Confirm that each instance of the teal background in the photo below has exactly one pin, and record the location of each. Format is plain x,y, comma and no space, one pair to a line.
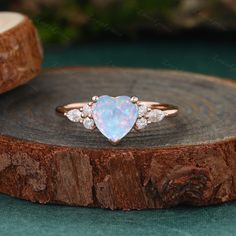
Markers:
207,57
18,217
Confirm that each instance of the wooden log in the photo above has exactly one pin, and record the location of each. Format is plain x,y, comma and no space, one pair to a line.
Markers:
189,159
20,51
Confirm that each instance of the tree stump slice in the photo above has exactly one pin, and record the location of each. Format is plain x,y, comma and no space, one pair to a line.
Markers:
20,51
188,159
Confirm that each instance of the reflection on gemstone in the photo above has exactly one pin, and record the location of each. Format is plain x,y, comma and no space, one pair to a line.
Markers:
114,117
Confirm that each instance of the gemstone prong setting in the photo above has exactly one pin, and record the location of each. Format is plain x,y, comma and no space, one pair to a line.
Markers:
134,99
94,98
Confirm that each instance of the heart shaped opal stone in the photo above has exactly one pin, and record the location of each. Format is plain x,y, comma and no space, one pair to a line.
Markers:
114,116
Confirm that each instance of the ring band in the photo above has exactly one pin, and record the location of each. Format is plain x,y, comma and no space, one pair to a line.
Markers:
116,116
170,110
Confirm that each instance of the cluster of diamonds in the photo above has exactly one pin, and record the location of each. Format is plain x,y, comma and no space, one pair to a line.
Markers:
147,115
83,115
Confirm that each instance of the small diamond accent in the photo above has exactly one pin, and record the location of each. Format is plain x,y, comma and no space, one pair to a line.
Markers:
87,110
142,110
73,115
141,123
155,115
88,123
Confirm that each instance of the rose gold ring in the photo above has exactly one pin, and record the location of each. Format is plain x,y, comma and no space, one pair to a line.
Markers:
115,117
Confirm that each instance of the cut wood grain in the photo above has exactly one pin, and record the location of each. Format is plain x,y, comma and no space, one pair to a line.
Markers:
189,159
20,51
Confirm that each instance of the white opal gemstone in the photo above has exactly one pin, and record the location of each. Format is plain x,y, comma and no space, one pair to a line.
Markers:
114,117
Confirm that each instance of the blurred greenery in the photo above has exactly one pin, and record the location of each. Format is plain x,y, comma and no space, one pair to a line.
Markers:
66,21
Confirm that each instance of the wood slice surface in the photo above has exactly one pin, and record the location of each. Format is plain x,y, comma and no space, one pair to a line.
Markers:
20,50
188,159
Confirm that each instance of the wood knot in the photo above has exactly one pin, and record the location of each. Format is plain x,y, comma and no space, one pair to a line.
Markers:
182,184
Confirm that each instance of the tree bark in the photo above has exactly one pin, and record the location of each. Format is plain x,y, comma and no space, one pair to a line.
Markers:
20,51
187,159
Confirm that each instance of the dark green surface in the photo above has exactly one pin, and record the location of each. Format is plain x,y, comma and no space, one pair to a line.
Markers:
24,218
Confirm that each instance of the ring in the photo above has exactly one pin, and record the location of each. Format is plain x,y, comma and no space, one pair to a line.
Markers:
115,117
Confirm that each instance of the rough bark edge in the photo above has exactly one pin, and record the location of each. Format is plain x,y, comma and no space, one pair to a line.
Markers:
119,179
21,55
